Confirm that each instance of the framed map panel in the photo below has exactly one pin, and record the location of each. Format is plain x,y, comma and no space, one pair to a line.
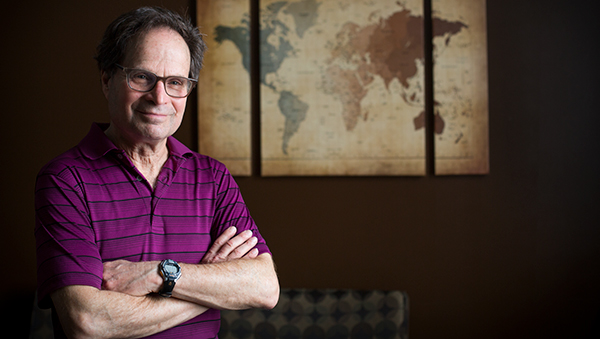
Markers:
460,82
224,104
342,87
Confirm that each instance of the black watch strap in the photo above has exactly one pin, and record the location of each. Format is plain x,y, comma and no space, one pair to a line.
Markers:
167,288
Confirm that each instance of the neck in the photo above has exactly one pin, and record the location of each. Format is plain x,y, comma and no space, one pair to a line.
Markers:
148,158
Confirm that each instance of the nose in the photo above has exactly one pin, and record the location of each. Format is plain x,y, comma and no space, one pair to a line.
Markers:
159,94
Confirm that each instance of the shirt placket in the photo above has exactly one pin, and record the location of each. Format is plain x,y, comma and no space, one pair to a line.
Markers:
141,185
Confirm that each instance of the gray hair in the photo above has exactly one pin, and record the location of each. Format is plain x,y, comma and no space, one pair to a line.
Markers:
118,36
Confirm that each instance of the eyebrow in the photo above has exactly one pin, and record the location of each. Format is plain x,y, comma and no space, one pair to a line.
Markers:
168,76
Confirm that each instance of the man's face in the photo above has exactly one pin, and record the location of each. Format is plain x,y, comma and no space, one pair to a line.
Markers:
139,117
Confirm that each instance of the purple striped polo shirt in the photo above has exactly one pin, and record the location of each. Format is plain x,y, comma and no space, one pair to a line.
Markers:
92,205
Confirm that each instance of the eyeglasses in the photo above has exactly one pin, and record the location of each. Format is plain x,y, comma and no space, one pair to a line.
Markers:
144,81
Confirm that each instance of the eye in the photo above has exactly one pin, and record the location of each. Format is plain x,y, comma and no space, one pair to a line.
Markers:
177,82
140,76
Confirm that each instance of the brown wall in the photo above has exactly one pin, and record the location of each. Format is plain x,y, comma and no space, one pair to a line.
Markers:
511,254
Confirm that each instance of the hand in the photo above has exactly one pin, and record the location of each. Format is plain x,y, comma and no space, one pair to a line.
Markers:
230,246
133,278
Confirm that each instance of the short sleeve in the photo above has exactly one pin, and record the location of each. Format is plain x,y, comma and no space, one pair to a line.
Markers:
66,250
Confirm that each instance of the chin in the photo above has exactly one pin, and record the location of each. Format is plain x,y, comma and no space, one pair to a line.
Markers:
158,133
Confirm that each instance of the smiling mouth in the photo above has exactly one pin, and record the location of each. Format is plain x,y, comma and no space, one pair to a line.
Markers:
153,114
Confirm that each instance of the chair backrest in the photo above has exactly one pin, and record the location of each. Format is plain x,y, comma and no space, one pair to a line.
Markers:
323,313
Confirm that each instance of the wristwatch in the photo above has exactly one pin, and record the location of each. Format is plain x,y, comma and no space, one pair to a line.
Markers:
170,271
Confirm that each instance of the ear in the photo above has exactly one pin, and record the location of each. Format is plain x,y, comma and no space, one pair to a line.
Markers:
105,78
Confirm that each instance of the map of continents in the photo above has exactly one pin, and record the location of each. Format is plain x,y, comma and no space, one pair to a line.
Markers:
341,87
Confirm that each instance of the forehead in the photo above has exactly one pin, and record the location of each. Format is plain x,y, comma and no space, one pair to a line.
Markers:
159,50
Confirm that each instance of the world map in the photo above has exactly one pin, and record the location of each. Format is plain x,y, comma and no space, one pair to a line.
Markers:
342,85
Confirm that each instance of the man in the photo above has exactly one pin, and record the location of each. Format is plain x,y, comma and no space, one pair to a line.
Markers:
136,234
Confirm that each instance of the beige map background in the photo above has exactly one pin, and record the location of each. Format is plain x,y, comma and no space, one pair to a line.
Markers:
460,87
224,106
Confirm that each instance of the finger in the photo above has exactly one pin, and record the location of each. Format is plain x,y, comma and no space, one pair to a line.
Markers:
109,269
243,249
252,254
233,244
224,238
219,242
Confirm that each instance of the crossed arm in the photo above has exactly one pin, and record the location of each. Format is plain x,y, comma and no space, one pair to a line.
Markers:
231,276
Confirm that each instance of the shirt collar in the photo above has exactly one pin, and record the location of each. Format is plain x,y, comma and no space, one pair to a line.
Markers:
96,144
177,148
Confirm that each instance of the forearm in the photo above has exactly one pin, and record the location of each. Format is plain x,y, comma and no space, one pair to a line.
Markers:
237,284
231,276
86,312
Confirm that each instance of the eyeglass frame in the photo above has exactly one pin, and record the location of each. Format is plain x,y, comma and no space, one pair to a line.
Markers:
127,71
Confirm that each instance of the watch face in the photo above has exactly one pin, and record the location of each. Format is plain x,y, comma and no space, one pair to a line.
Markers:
171,269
